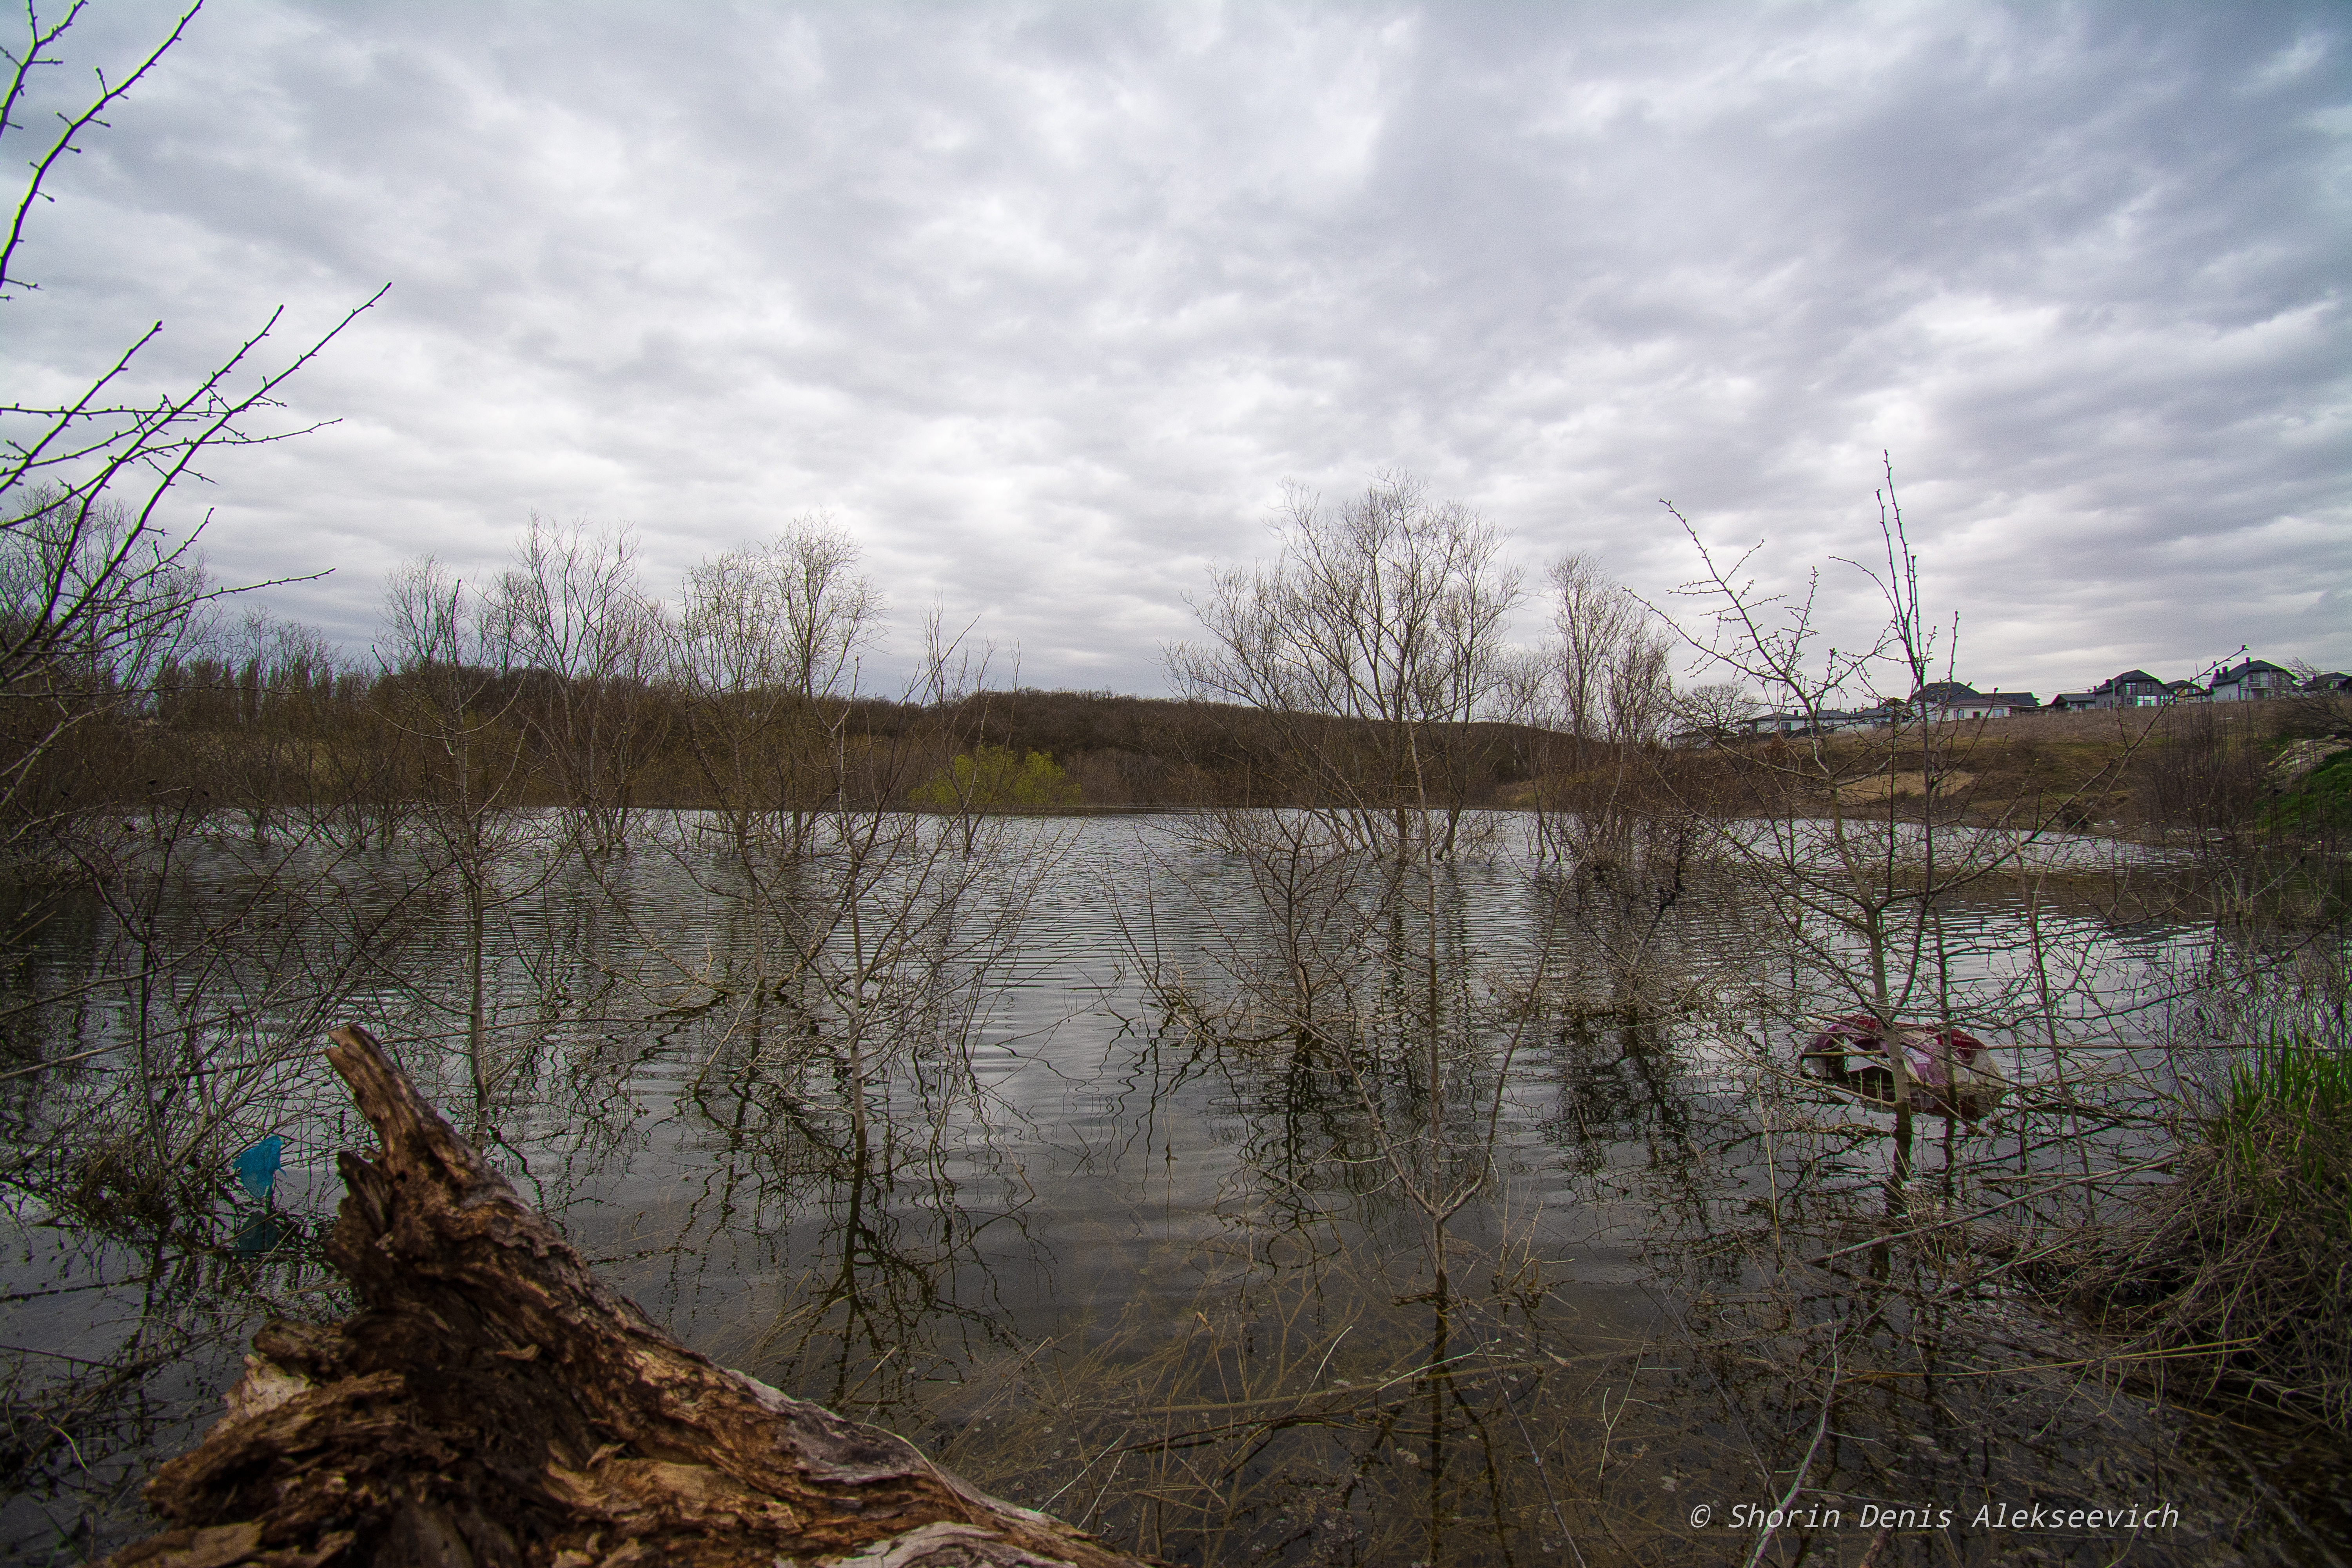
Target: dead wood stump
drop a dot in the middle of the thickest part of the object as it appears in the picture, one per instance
(493, 1403)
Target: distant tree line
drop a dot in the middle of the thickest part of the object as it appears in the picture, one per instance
(566, 683)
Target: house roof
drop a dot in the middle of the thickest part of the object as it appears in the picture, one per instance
(1953, 693)
(2251, 666)
(2126, 677)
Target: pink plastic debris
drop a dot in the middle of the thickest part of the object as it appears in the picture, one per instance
(1948, 1068)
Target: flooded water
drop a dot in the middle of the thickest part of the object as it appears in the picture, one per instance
(1243, 1220)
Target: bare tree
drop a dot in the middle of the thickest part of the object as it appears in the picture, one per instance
(574, 621)
(767, 649)
(830, 614)
(1386, 615)
(1713, 713)
(1370, 648)
(869, 940)
(1605, 686)
(1612, 660)
(135, 607)
(1860, 840)
(282, 675)
(450, 689)
(94, 579)
(102, 592)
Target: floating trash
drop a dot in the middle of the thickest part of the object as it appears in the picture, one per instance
(256, 1168)
(1949, 1073)
(261, 1234)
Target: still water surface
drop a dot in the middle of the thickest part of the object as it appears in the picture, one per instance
(1113, 1257)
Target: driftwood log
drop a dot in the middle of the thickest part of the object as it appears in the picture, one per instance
(492, 1403)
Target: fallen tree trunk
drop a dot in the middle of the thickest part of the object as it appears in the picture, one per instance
(493, 1403)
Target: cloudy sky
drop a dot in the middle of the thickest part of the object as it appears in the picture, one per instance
(1045, 301)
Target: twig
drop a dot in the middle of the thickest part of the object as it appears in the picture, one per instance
(1820, 1430)
(57, 1062)
(1996, 1208)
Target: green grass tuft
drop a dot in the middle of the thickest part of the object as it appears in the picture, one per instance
(2321, 800)
(2285, 1131)
(2238, 1274)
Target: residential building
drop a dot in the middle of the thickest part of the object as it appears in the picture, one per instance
(2132, 688)
(2254, 679)
(1944, 700)
(1820, 722)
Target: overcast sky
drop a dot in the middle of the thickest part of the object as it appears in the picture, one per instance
(1043, 302)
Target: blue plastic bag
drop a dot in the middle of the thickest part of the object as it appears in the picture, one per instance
(256, 1168)
(260, 1235)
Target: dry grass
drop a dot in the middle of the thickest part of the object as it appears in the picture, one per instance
(2239, 1272)
(1901, 786)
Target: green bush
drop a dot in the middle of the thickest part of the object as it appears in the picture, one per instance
(990, 778)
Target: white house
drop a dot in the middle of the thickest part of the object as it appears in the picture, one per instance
(2255, 679)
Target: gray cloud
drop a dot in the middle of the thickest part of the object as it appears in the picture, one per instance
(1044, 301)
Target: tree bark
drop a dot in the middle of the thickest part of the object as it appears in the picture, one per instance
(492, 1403)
